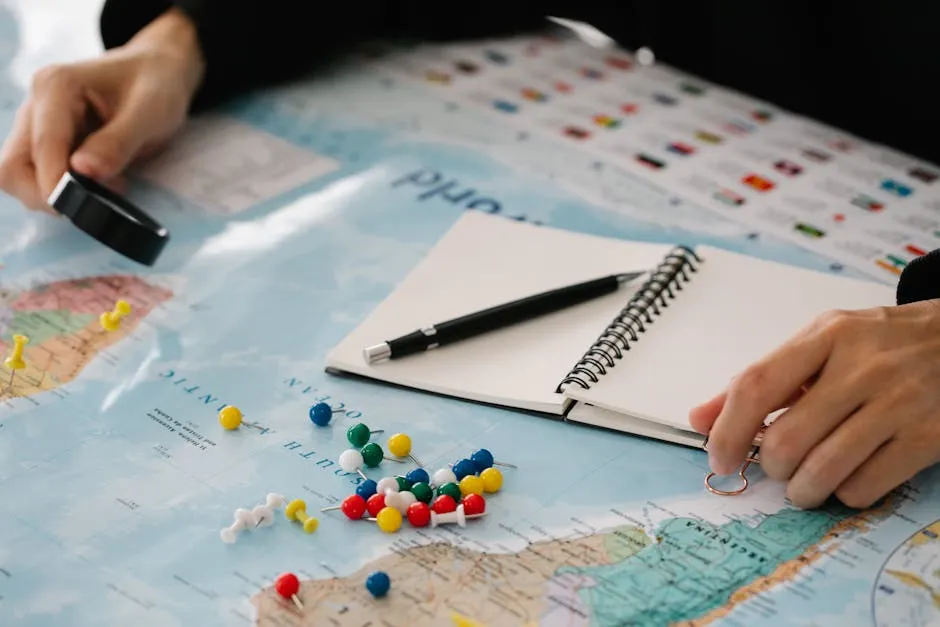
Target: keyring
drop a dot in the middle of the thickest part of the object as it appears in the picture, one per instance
(110, 218)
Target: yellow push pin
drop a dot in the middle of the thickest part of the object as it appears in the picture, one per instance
(460, 620)
(231, 418)
(15, 361)
(111, 320)
(399, 445)
(297, 510)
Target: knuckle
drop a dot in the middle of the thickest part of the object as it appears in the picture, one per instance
(855, 497)
(53, 75)
(780, 453)
(751, 384)
(836, 322)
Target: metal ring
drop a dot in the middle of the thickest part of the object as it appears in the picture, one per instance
(741, 474)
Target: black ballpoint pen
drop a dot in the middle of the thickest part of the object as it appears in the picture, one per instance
(496, 317)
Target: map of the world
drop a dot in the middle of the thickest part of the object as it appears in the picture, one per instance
(293, 213)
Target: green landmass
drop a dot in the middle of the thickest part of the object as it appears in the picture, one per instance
(43, 325)
(694, 566)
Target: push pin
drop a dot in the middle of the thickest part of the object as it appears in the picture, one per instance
(367, 488)
(351, 460)
(353, 506)
(492, 479)
(422, 492)
(457, 516)
(244, 519)
(473, 504)
(450, 489)
(359, 434)
(484, 459)
(375, 504)
(287, 585)
(378, 583)
(231, 418)
(387, 483)
(111, 320)
(389, 519)
(419, 514)
(400, 500)
(399, 445)
(15, 361)
(297, 510)
(418, 475)
(443, 477)
(264, 513)
(372, 455)
(321, 414)
(471, 484)
(444, 504)
(463, 468)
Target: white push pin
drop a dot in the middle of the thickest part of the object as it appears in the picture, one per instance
(400, 500)
(244, 519)
(457, 516)
(264, 514)
(442, 477)
(386, 485)
(350, 460)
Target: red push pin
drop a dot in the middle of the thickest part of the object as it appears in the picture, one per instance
(444, 504)
(287, 585)
(473, 504)
(419, 514)
(354, 506)
(375, 504)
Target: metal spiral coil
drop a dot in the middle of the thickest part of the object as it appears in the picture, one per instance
(641, 311)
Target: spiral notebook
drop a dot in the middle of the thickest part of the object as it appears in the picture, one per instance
(635, 360)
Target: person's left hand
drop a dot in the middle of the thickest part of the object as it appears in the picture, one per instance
(862, 390)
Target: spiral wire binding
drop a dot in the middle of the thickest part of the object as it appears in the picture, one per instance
(640, 311)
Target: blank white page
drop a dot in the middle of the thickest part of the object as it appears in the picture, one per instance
(486, 260)
(735, 310)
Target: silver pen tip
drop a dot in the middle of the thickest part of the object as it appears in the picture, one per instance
(379, 352)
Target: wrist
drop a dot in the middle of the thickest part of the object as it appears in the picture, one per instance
(174, 39)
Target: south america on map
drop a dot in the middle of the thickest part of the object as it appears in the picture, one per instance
(61, 322)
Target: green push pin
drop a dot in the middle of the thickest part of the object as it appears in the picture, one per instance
(359, 434)
(372, 455)
(422, 492)
(450, 489)
(403, 484)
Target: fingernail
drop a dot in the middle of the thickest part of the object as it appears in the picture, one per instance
(88, 164)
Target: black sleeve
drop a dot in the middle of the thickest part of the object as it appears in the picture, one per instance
(252, 42)
(920, 279)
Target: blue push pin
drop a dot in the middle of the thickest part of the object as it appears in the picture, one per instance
(378, 584)
(463, 468)
(321, 414)
(483, 459)
(418, 475)
(367, 488)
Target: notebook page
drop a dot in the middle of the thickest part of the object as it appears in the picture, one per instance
(735, 310)
(483, 261)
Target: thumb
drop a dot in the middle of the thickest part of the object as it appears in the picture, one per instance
(107, 152)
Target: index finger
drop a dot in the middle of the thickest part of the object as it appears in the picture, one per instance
(57, 112)
(761, 390)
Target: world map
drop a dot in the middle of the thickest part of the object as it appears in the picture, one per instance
(118, 476)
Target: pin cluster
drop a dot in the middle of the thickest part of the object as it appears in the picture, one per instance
(453, 495)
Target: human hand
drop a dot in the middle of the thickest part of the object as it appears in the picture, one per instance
(862, 396)
(97, 116)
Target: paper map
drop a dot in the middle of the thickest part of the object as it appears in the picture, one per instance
(118, 477)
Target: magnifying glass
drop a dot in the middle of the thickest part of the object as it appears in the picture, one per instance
(109, 217)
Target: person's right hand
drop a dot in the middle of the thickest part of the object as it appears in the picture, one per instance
(98, 116)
